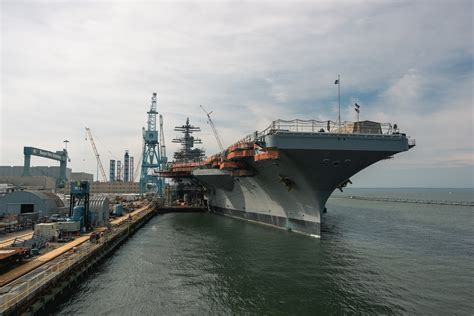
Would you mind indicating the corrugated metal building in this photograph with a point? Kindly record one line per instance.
(45, 203)
(99, 209)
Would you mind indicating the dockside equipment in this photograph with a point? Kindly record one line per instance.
(80, 191)
(152, 159)
(60, 156)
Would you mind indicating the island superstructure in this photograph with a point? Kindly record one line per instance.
(284, 175)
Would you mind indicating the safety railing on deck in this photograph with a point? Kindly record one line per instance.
(329, 127)
(297, 126)
(314, 126)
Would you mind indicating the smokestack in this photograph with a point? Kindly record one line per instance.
(131, 169)
(119, 170)
(112, 170)
(126, 166)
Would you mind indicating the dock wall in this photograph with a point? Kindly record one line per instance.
(41, 289)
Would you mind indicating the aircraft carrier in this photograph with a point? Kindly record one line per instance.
(284, 175)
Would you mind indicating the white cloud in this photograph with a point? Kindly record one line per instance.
(70, 65)
(405, 93)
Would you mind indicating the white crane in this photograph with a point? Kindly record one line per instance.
(162, 139)
(97, 156)
(214, 130)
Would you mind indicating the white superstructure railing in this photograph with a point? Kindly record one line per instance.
(314, 126)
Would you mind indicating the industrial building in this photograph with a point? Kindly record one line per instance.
(111, 187)
(132, 172)
(115, 187)
(45, 171)
(81, 176)
(112, 170)
(99, 209)
(18, 202)
(126, 167)
(41, 177)
(119, 171)
(30, 183)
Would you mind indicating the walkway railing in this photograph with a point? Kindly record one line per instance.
(313, 126)
(17, 291)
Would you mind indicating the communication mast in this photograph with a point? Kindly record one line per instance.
(152, 160)
(187, 153)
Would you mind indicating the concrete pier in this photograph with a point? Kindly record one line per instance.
(30, 288)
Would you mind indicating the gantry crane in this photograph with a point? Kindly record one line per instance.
(61, 156)
(152, 160)
(97, 156)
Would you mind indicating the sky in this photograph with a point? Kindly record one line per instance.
(67, 65)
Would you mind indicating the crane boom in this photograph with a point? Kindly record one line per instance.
(214, 130)
(162, 139)
(137, 167)
(97, 156)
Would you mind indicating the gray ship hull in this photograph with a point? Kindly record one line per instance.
(291, 192)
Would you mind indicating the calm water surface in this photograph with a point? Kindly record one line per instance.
(373, 258)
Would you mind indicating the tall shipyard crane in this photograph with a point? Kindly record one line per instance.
(152, 159)
(162, 140)
(137, 168)
(97, 156)
(214, 130)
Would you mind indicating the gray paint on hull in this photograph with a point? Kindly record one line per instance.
(314, 173)
(295, 225)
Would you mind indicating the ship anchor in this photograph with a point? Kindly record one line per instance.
(287, 182)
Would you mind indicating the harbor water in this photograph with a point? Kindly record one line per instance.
(374, 257)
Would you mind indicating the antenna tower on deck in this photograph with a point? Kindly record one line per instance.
(187, 152)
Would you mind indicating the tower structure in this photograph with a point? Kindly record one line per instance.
(112, 170)
(187, 152)
(152, 160)
(119, 171)
(132, 168)
(126, 166)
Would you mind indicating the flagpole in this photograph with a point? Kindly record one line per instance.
(357, 109)
(339, 95)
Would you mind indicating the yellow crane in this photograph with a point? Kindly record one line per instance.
(97, 156)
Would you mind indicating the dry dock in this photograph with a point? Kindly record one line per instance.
(29, 288)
